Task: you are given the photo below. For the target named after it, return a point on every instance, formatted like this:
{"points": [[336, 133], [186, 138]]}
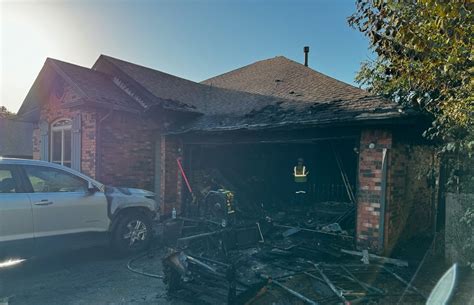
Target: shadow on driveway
{"points": [[89, 276]]}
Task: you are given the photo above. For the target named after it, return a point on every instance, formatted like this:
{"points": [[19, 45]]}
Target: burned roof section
{"points": [[306, 97], [270, 93], [288, 113]]}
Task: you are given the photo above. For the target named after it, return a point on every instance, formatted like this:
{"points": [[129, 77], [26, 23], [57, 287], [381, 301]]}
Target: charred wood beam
{"points": [[362, 284], [405, 282], [336, 291], [291, 291], [313, 231], [319, 279], [274, 141], [388, 260], [183, 241], [204, 265], [285, 136]]}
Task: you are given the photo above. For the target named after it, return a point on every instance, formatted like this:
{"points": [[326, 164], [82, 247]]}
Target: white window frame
{"points": [[61, 128]]}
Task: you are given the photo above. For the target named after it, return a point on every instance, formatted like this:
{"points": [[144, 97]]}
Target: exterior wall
{"points": [[411, 186], [171, 182], [53, 109], [370, 191], [117, 148], [407, 198], [126, 150], [15, 137], [36, 143], [458, 235]]}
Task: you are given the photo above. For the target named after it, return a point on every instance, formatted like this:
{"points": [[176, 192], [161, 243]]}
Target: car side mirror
{"points": [[91, 188]]}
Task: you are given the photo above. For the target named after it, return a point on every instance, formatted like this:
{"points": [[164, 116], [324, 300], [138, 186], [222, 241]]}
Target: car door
{"points": [[65, 213], [16, 216]]}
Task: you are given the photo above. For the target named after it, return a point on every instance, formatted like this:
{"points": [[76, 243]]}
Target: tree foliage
{"points": [[424, 60], [4, 112]]}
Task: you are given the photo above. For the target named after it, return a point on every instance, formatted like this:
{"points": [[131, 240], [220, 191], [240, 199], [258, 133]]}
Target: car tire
{"points": [[132, 234]]}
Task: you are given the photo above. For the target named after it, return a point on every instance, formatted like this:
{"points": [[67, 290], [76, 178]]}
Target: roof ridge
{"points": [[61, 62], [64, 74], [180, 78], [325, 75], [288, 60], [244, 67], [107, 57], [111, 60]]}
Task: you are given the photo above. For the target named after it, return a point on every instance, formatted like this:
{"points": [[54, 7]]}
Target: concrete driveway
{"points": [[83, 277], [94, 277]]}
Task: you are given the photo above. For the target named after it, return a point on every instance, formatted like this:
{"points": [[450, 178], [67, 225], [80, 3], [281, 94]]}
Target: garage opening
{"points": [[261, 175]]}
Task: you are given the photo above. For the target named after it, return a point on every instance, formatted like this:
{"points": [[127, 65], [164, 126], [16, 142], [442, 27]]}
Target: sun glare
{"points": [[25, 44], [11, 262]]}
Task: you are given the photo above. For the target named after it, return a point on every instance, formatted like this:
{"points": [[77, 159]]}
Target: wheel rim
{"points": [[135, 232]]}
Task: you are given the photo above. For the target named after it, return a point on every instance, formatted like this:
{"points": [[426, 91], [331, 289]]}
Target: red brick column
{"points": [[370, 189], [171, 181]]}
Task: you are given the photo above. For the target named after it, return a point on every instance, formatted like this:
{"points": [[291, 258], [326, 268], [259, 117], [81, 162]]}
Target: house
{"points": [[15, 137], [125, 124]]}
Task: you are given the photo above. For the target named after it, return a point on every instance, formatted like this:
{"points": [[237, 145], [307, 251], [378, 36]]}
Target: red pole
{"points": [[178, 160]]}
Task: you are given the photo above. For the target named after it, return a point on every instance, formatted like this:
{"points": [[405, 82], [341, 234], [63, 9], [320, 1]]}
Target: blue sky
{"points": [[194, 39]]}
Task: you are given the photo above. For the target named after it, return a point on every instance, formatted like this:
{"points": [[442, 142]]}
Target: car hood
{"points": [[124, 197], [133, 191]]}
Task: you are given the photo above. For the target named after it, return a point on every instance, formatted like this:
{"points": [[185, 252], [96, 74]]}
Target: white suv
{"points": [[46, 208]]}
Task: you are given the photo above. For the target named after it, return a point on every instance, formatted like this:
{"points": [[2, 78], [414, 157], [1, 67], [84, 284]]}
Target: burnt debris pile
{"points": [[295, 256]]}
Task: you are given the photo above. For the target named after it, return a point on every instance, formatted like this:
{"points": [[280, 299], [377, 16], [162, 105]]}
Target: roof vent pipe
{"points": [[306, 51]]}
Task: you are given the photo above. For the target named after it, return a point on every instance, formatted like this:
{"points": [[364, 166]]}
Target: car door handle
{"points": [[43, 202]]}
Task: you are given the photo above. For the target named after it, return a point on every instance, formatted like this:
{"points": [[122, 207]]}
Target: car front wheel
{"points": [[132, 234]]}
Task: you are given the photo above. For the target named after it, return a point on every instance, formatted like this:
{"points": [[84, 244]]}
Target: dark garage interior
{"points": [[261, 175]]}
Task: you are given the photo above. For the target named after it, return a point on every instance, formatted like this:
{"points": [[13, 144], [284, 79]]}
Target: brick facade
{"points": [[36, 143], [126, 150], [370, 191], [52, 109], [119, 148], [171, 182], [410, 190], [407, 194]]}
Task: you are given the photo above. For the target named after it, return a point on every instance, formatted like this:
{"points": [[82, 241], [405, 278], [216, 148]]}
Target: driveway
{"points": [[89, 277], [94, 277]]}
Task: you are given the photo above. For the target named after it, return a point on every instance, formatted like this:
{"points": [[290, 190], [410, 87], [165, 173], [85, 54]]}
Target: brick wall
{"points": [[36, 143], [369, 192], [410, 201], [408, 195], [52, 109], [126, 150], [171, 182]]}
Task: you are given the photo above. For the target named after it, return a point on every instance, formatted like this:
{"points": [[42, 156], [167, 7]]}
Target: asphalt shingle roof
{"points": [[285, 78], [310, 98], [96, 86], [269, 93], [202, 98]]}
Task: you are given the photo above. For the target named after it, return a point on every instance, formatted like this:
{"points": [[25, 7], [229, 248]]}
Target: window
{"points": [[7, 183], [49, 180], [61, 142]]}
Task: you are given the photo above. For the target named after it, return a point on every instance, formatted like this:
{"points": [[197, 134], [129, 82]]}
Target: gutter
{"points": [[383, 199]]}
